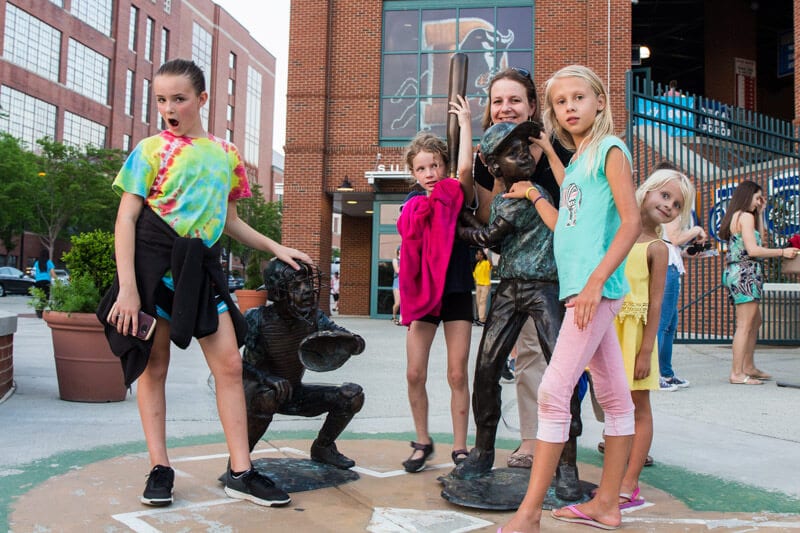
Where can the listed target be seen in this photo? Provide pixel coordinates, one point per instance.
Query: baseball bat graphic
(457, 85)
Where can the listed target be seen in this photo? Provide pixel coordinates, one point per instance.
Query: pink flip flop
(633, 499)
(580, 518)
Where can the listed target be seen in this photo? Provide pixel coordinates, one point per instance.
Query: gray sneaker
(678, 382)
(256, 488)
(665, 385)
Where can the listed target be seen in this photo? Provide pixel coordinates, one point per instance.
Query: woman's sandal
(418, 465)
(459, 456)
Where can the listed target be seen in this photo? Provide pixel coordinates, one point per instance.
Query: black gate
(717, 146)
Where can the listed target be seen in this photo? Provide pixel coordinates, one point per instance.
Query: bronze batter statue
(528, 288)
(284, 339)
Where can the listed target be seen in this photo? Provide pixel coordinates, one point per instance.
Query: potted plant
(38, 300)
(86, 369)
(253, 294)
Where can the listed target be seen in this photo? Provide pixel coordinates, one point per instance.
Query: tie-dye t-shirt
(187, 181)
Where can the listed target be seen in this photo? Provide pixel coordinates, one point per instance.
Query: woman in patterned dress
(742, 226)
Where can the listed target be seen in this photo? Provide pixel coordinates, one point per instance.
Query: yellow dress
(632, 318)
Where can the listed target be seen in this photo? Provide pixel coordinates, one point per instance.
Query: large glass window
(132, 24)
(95, 13)
(148, 39)
(129, 93)
(87, 72)
(164, 45)
(252, 129)
(26, 117)
(146, 101)
(202, 42)
(81, 131)
(418, 42)
(31, 44)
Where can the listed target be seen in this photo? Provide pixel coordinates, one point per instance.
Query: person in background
(396, 287)
(482, 274)
(44, 271)
(335, 291)
(743, 228)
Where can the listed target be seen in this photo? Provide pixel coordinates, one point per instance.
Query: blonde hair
(425, 141)
(603, 123)
(656, 182)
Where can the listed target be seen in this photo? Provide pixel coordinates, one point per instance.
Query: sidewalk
(745, 440)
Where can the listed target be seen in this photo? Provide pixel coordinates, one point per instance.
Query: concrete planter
(86, 369)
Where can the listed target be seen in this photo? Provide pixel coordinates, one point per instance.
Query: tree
(264, 217)
(16, 166)
(70, 190)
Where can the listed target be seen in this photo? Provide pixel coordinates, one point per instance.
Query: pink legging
(598, 346)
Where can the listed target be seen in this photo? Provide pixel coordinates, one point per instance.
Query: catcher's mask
(298, 288)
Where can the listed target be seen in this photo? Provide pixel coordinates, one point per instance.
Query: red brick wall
(6, 363)
(797, 62)
(333, 110)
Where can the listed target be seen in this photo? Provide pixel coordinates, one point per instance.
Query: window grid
(134, 21)
(252, 129)
(129, 93)
(95, 13)
(164, 45)
(32, 44)
(148, 39)
(87, 72)
(167, 6)
(126, 142)
(201, 54)
(417, 44)
(146, 101)
(81, 131)
(28, 118)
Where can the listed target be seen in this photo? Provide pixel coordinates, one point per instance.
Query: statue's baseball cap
(495, 138)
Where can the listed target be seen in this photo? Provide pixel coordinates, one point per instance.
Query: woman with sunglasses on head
(513, 98)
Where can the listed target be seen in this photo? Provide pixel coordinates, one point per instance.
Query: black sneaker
(255, 487)
(158, 490)
(330, 455)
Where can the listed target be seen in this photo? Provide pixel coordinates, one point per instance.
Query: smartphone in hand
(147, 325)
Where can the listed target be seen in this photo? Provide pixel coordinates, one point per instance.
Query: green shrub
(92, 256)
(80, 295)
(38, 299)
(253, 278)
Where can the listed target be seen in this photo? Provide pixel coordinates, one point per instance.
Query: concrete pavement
(718, 447)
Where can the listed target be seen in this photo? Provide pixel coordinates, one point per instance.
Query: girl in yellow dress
(664, 196)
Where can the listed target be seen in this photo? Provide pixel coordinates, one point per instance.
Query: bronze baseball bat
(457, 85)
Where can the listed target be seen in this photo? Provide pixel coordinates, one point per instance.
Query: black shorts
(455, 306)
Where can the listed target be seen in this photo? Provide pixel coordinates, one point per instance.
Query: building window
(231, 87)
(87, 72)
(59, 3)
(201, 54)
(146, 101)
(31, 44)
(134, 22)
(167, 6)
(229, 135)
(416, 50)
(129, 93)
(26, 117)
(81, 131)
(229, 113)
(232, 61)
(95, 13)
(148, 39)
(164, 45)
(252, 127)
(126, 142)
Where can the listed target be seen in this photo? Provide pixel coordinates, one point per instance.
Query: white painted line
(393, 520)
(727, 523)
(133, 520)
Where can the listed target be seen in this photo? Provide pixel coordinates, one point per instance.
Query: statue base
(502, 489)
(300, 475)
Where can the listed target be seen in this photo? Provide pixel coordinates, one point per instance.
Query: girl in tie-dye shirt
(191, 180)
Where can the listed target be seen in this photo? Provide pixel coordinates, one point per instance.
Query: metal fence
(718, 146)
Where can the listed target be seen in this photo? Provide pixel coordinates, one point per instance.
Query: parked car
(62, 275)
(235, 283)
(14, 281)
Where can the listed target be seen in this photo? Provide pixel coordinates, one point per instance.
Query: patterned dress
(743, 275)
(632, 318)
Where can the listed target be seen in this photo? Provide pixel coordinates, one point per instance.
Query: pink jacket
(427, 225)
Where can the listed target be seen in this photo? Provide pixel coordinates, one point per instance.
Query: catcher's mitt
(324, 351)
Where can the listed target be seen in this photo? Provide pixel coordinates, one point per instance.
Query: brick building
(80, 71)
(365, 75)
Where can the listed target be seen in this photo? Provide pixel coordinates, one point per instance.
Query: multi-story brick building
(366, 75)
(80, 71)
